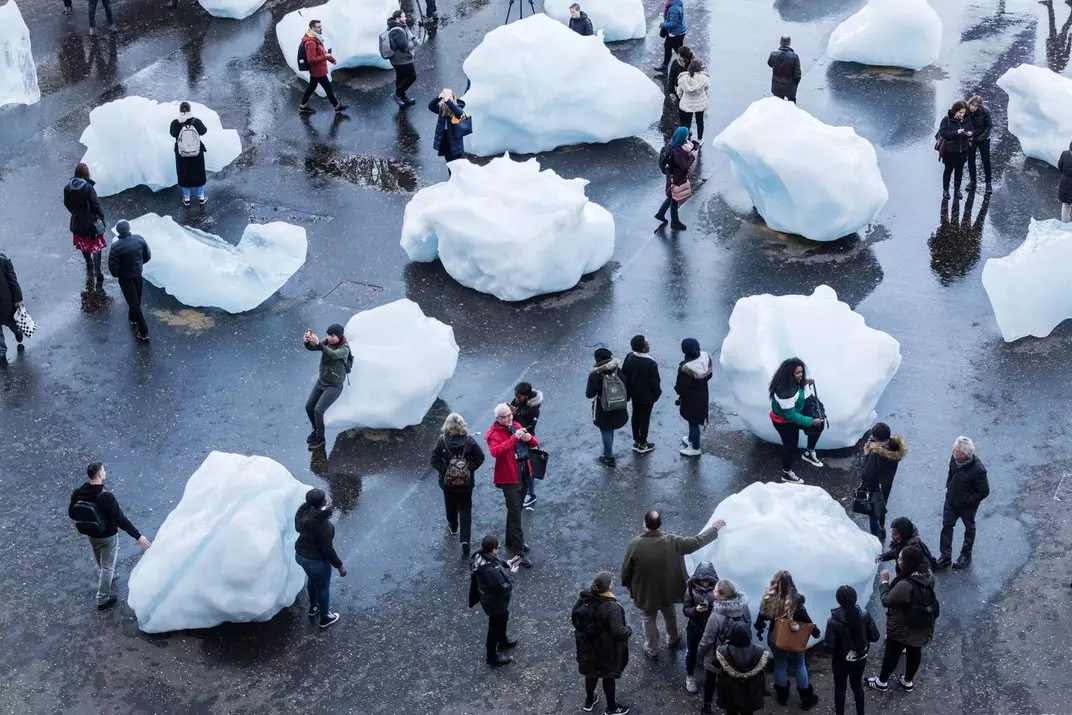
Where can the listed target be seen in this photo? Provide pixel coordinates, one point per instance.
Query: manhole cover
(353, 294)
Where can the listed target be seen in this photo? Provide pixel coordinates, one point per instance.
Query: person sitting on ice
(787, 395)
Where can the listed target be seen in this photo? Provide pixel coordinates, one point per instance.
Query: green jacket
(790, 410)
(332, 362)
(654, 567)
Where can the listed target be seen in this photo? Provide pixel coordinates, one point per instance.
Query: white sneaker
(791, 477)
(811, 458)
(690, 684)
(685, 441)
(690, 452)
(529, 501)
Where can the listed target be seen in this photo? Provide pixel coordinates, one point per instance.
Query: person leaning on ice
(334, 355)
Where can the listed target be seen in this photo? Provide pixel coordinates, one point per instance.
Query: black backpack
(583, 617)
(814, 407)
(87, 518)
(665, 155)
(923, 607)
(303, 62)
(727, 626)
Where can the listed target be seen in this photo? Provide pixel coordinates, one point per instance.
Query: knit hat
(681, 135)
(637, 343)
(603, 354)
(881, 431)
(336, 330)
(122, 228)
(691, 348)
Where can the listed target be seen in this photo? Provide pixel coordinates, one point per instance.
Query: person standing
(403, 43)
(785, 70)
(672, 29)
(456, 457)
(654, 572)
(189, 154)
(981, 123)
(692, 91)
(448, 143)
(742, 685)
(602, 639)
(579, 21)
(966, 487)
(606, 389)
(730, 607)
(97, 515)
(850, 631)
(699, 597)
(903, 534)
(693, 374)
(509, 444)
(642, 384)
(335, 361)
(491, 584)
(956, 131)
(782, 600)
(526, 406)
(315, 553)
(682, 59)
(317, 58)
(126, 258)
(882, 453)
(787, 391)
(10, 301)
(682, 154)
(1064, 189)
(87, 219)
(911, 609)
(92, 4)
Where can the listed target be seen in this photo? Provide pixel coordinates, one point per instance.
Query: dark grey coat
(10, 291)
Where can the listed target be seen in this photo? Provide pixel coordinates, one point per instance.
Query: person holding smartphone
(491, 583)
(509, 444)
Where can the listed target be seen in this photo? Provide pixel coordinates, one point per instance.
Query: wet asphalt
(406, 642)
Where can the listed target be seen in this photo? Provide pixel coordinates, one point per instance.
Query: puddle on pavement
(186, 319)
(391, 175)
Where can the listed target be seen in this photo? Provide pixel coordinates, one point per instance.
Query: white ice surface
(18, 73)
(128, 142)
(226, 552)
(233, 9)
(803, 176)
(203, 270)
(537, 85)
(1029, 289)
(1040, 110)
(509, 229)
(402, 358)
(618, 19)
(798, 528)
(889, 33)
(851, 363)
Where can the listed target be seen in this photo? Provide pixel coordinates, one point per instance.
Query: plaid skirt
(85, 244)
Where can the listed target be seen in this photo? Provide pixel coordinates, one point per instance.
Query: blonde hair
(454, 426)
(780, 599)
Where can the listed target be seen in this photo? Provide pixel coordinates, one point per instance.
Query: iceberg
(1029, 289)
(226, 552)
(851, 363)
(804, 176)
(617, 19)
(537, 85)
(509, 229)
(889, 33)
(402, 359)
(793, 527)
(128, 142)
(203, 270)
(232, 9)
(18, 73)
(1040, 110)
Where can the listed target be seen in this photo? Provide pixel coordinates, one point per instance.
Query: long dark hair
(846, 598)
(783, 383)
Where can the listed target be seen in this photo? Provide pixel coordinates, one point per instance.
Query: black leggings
(983, 148)
(709, 685)
(790, 434)
(848, 674)
(686, 121)
(913, 656)
(323, 82)
(954, 166)
(93, 262)
(670, 45)
(608, 690)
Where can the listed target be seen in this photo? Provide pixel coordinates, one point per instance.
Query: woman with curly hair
(782, 600)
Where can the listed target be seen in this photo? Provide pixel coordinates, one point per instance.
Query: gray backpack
(188, 141)
(613, 397)
(386, 51)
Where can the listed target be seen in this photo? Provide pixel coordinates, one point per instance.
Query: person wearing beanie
(335, 363)
(606, 389)
(882, 453)
(314, 551)
(693, 374)
(903, 534)
(526, 405)
(641, 374)
(129, 252)
(189, 154)
(681, 155)
(850, 631)
(911, 609)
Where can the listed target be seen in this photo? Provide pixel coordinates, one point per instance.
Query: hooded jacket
(490, 584)
(897, 597)
(601, 419)
(443, 131)
(107, 507)
(880, 465)
(654, 567)
(785, 72)
(839, 641)
(1064, 165)
(316, 535)
(966, 485)
(456, 445)
(692, 91)
(402, 42)
(955, 142)
(691, 388)
(742, 683)
(606, 654)
(674, 18)
(642, 380)
(127, 255)
(697, 594)
(724, 616)
(527, 413)
(332, 361)
(582, 25)
(80, 198)
(316, 57)
(10, 290)
(502, 445)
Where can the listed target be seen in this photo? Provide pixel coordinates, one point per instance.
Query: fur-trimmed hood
(698, 368)
(895, 448)
(732, 672)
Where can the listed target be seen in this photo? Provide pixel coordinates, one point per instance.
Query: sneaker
(638, 447)
(619, 710)
(112, 600)
(114, 29)
(988, 189)
(811, 458)
(92, 31)
(652, 655)
(409, 101)
(874, 682)
(685, 441)
(452, 531)
(945, 195)
(906, 684)
(530, 499)
(305, 109)
(141, 338)
(398, 100)
(500, 659)
(328, 619)
(590, 703)
(791, 477)
(690, 684)
(68, 10)
(690, 452)
(202, 199)
(186, 202)
(465, 549)
(644, 448)
(341, 107)
(313, 610)
(607, 461)
(526, 562)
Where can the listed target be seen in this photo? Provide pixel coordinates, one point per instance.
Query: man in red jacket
(317, 58)
(509, 444)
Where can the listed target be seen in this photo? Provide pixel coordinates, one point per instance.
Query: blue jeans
(93, 12)
(608, 442)
(694, 435)
(672, 205)
(199, 191)
(532, 486)
(784, 660)
(319, 584)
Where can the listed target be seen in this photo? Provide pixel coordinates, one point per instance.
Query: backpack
(613, 397)
(923, 608)
(386, 51)
(303, 61)
(188, 141)
(727, 626)
(457, 475)
(665, 155)
(87, 518)
(583, 617)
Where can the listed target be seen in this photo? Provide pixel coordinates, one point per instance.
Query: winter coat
(674, 19)
(316, 535)
(880, 465)
(582, 25)
(790, 409)
(108, 507)
(800, 614)
(402, 42)
(503, 447)
(654, 567)
(127, 255)
(839, 641)
(692, 91)
(981, 124)
(601, 419)
(896, 597)
(456, 445)
(785, 72)
(316, 57)
(724, 615)
(10, 291)
(444, 128)
(527, 414)
(605, 655)
(191, 169)
(642, 382)
(490, 584)
(742, 683)
(955, 142)
(896, 547)
(1064, 165)
(673, 72)
(81, 200)
(697, 594)
(677, 172)
(691, 389)
(966, 486)
(332, 362)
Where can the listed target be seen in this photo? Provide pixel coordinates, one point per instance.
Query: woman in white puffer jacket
(692, 89)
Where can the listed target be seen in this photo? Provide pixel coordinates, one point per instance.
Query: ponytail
(846, 598)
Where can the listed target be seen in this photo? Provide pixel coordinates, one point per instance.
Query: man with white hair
(965, 487)
(509, 444)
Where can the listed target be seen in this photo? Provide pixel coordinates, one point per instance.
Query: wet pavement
(406, 642)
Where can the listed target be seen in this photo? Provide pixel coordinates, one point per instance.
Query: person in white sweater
(692, 91)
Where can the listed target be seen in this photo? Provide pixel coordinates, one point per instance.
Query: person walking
(579, 21)
(526, 406)
(317, 58)
(850, 631)
(1064, 188)
(782, 600)
(126, 258)
(606, 389)
(448, 143)
(693, 101)
(699, 596)
(730, 607)
(742, 685)
(642, 384)
(509, 444)
(654, 572)
(336, 360)
(403, 43)
(315, 553)
(903, 533)
(911, 609)
(785, 70)
(693, 374)
(979, 115)
(189, 154)
(92, 5)
(10, 301)
(456, 457)
(87, 219)
(682, 59)
(787, 391)
(491, 584)
(681, 155)
(672, 29)
(882, 453)
(966, 487)
(602, 639)
(97, 515)
(956, 133)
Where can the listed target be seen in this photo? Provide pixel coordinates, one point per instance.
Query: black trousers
(608, 690)
(496, 633)
(459, 506)
(641, 421)
(790, 434)
(670, 45)
(709, 684)
(405, 76)
(954, 166)
(323, 82)
(983, 148)
(686, 121)
(131, 288)
(514, 494)
(792, 97)
(847, 675)
(913, 656)
(950, 515)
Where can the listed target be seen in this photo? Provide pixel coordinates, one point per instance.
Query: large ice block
(18, 73)
(1040, 110)
(889, 33)
(617, 19)
(232, 9)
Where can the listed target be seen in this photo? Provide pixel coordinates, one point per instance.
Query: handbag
(99, 227)
(814, 408)
(681, 192)
(861, 500)
(24, 322)
(789, 635)
(461, 126)
(538, 462)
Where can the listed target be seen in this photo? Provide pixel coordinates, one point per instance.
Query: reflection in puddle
(392, 175)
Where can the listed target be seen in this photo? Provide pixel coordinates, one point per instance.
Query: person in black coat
(87, 219)
(314, 551)
(189, 166)
(579, 21)
(957, 130)
(526, 404)
(742, 683)
(448, 143)
(981, 126)
(607, 422)
(602, 641)
(455, 445)
(641, 374)
(693, 374)
(125, 260)
(10, 301)
(683, 59)
(1064, 189)
(882, 453)
(903, 533)
(785, 71)
(491, 583)
(850, 631)
(965, 488)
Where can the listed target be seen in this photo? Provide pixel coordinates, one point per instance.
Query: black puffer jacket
(897, 598)
(880, 465)
(316, 535)
(451, 446)
(527, 413)
(1064, 165)
(966, 486)
(490, 584)
(127, 255)
(582, 25)
(642, 378)
(785, 71)
(81, 200)
(602, 419)
(742, 684)
(955, 141)
(605, 655)
(839, 641)
(981, 124)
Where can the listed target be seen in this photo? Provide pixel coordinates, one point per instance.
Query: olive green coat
(654, 567)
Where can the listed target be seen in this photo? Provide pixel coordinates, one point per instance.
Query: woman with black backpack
(456, 457)
(911, 609)
(609, 406)
(850, 631)
(789, 405)
(189, 154)
(602, 642)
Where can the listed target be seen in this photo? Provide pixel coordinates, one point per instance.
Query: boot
(781, 693)
(963, 562)
(988, 189)
(808, 698)
(970, 188)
